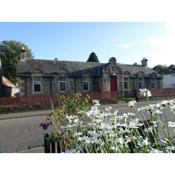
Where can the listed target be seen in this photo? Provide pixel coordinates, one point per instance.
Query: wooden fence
(29, 101)
(52, 146)
(46, 101)
(162, 92)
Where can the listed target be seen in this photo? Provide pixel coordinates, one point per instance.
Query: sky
(128, 42)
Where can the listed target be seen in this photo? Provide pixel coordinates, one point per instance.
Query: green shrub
(71, 105)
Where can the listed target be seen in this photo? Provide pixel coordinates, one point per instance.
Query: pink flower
(45, 124)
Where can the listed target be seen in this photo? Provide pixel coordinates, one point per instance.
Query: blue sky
(128, 42)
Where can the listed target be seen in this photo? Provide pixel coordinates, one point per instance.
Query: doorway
(113, 83)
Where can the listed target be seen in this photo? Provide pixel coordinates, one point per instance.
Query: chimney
(22, 54)
(112, 60)
(144, 62)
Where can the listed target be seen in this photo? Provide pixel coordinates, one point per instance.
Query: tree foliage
(93, 58)
(10, 55)
(163, 69)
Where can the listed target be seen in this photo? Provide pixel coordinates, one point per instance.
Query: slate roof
(54, 66)
(134, 69)
(75, 68)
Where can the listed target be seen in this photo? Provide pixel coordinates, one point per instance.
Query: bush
(91, 130)
(65, 106)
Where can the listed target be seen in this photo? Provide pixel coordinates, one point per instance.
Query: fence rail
(29, 101)
(45, 101)
(162, 92)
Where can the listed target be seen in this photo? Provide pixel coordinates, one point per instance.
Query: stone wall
(50, 86)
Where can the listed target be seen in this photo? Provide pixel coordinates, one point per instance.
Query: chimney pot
(144, 62)
(112, 60)
(22, 54)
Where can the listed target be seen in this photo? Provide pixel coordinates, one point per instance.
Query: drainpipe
(50, 86)
(75, 85)
(25, 86)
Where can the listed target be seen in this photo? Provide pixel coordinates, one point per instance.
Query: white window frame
(60, 86)
(36, 82)
(83, 86)
(142, 81)
(124, 83)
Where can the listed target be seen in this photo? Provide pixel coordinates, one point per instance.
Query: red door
(113, 84)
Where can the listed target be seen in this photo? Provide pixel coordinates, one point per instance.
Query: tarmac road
(17, 135)
(20, 134)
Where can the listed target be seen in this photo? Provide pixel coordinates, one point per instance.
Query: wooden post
(53, 146)
(46, 143)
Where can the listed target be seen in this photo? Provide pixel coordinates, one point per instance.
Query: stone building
(50, 77)
(168, 81)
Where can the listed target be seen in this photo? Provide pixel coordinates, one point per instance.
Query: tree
(171, 69)
(93, 58)
(10, 55)
(162, 69)
(159, 69)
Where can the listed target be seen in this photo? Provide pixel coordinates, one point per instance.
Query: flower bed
(84, 129)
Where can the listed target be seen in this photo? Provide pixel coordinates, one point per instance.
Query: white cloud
(123, 45)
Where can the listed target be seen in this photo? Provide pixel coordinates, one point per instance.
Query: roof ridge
(67, 61)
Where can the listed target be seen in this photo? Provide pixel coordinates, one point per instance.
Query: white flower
(114, 148)
(76, 120)
(164, 103)
(145, 141)
(155, 151)
(134, 123)
(171, 124)
(94, 134)
(120, 140)
(96, 102)
(108, 108)
(105, 126)
(131, 103)
(78, 134)
(145, 93)
(157, 112)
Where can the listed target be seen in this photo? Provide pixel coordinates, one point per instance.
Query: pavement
(39, 149)
(47, 112)
(24, 114)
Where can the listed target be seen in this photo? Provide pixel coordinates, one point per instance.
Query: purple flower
(45, 124)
